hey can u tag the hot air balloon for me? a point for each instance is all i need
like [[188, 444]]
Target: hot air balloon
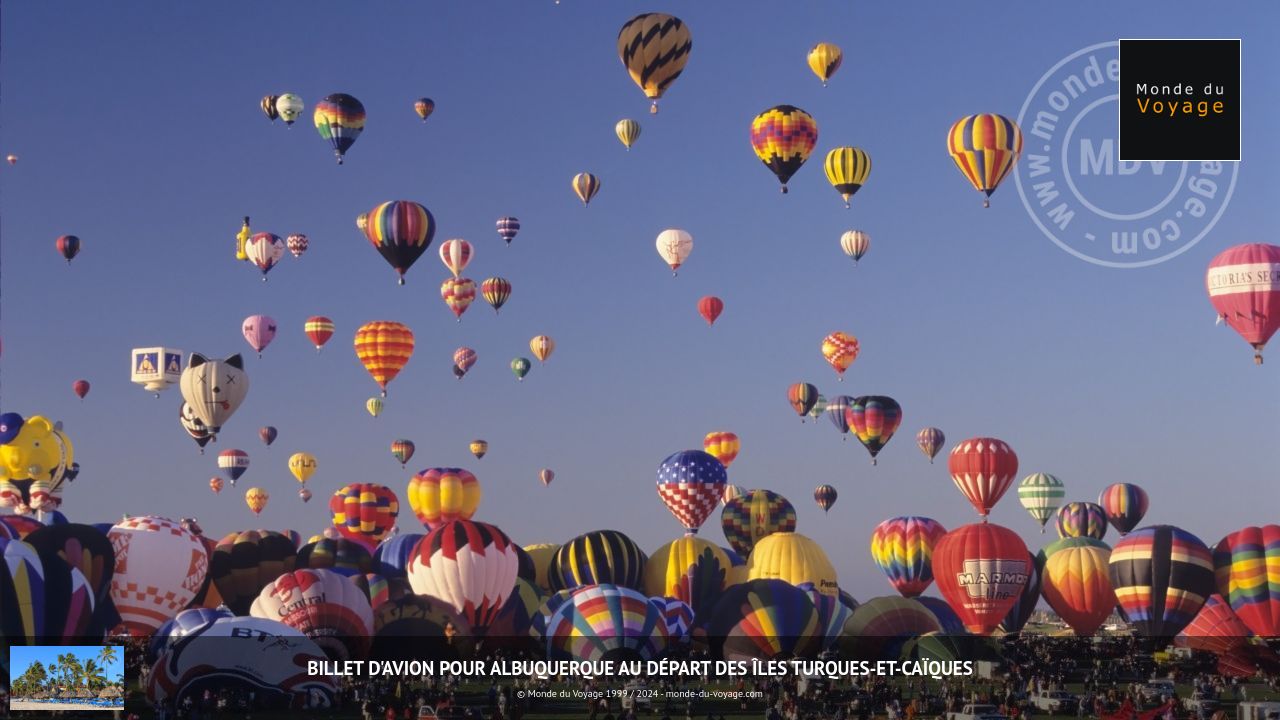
[[985, 148], [440, 495], [233, 464], [1247, 569], [903, 547], [374, 406], [628, 131], [214, 389], [339, 119], [268, 106], [597, 557], [215, 484], [1082, 519], [391, 557], [847, 170], [68, 247], [333, 552], [930, 440], [402, 450], [1244, 286], [542, 346], [824, 60], [1041, 494], [267, 434], [1125, 505], [302, 466], [722, 445], [981, 570], [424, 107], [585, 185], [855, 244], [159, 566], [674, 246], [874, 418], [507, 228], [1076, 582], [80, 388], [319, 329], [690, 483], [1216, 629], [400, 230], [194, 427], [289, 106], [258, 331], [710, 307], [458, 294], [472, 566], [256, 499], [362, 221], [1025, 605], [495, 291], [325, 606], [783, 138], [463, 359], [243, 563], [82, 548], [837, 412], [840, 350], [690, 569], [754, 515], [297, 244], [654, 48], [1162, 575], [825, 496], [364, 513], [802, 397], [456, 255], [478, 448], [181, 625], [46, 598], [545, 476], [264, 250], [879, 628], [304, 494], [521, 366], [762, 620], [607, 622], [819, 407], [983, 469], [384, 348], [12, 159]]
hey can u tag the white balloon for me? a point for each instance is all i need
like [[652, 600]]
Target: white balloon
[[214, 389], [674, 246]]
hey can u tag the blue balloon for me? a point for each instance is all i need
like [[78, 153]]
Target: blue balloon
[[10, 424], [692, 467], [391, 557], [180, 625], [53, 517]]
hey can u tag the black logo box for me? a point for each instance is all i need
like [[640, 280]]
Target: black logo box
[[1185, 69]]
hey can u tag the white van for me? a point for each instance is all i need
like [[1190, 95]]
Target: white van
[[1258, 711]]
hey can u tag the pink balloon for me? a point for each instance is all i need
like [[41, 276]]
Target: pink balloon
[[259, 331]]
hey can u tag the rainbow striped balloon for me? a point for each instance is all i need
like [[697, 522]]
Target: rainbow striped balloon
[[1125, 505], [1247, 566], [1162, 576], [903, 548]]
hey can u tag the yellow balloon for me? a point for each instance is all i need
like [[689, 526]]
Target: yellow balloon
[[302, 465], [654, 47], [793, 558], [374, 406], [824, 60], [479, 448], [542, 554], [440, 495], [256, 499], [628, 131], [241, 238], [668, 570]]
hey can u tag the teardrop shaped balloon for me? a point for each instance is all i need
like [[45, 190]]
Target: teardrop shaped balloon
[[456, 254], [463, 359], [268, 106], [233, 463], [302, 465], [985, 148], [402, 450], [840, 350], [545, 476], [458, 293], [902, 547], [374, 406], [215, 484], [847, 169], [424, 107], [855, 244], [1041, 495], [318, 329], [690, 483], [825, 496], [585, 185], [930, 440], [339, 118], [1076, 582], [297, 244], [384, 348], [674, 246], [1125, 505], [628, 131], [267, 434], [520, 367], [983, 469], [495, 291], [401, 231], [875, 418], [542, 346], [256, 499], [258, 331], [783, 138], [710, 307], [264, 250], [68, 247], [654, 47], [80, 388], [508, 227], [824, 59], [1244, 287], [304, 494], [802, 396], [1082, 519], [478, 448]]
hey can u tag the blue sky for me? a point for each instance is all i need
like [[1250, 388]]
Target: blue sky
[[138, 129], [22, 656]]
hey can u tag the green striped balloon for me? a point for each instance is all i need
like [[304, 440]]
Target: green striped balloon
[[1041, 494]]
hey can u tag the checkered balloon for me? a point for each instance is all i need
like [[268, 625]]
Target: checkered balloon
[[690, 483]]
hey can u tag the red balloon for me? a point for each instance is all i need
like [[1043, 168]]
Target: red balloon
[[983, 468], [80, 388], [1244, 287], [710, 308], [981, 570]]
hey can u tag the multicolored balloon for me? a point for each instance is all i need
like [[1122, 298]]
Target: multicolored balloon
[[840, 350], [762, 620], [1247, 569], [981, 570], [1076, 582], [264, 250], [215, 484], [364, 513], [874, 418], [339, 118], [585, 185], [456, 254], [233, 463], [268, 105], [401, 231], [463, 359], [690, 569], [930, 440], [1162, 576], [722, 445], [825, 496], [824, 59], [458, 293], [654, 47], [755, 515], [542, 346], [983, 469], [783, 138], [424, 107], [478, 448], [441, 495], [1041, 494], [325, 606], [690, 483], [68, 247], [1125, 505], [495, 291], [902, 547], [595, 558], [847, 170], [802, 396], [384, 348], [267, 434], [985, 148], [402, 450], [507, 228], [1244, 286], [318, 329], [607, 621], [1082, 519]]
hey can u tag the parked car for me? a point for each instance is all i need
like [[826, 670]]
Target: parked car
[[1054, 702]]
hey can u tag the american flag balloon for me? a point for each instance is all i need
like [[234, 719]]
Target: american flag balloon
[[690, 483]]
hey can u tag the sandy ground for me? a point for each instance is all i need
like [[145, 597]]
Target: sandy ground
[[38, 705]]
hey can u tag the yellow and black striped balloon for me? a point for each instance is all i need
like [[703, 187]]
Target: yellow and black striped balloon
[[654, 47], [602, 556], [847, 169], [824, 60]]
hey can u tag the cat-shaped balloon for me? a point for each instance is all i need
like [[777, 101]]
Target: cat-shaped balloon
[[214, 389]]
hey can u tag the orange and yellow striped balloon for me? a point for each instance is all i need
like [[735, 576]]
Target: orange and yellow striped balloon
[[384, 348], [722, 445], [542, 346], [985, 147], [440, 495]]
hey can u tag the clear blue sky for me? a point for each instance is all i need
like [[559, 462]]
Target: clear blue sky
[[138, 129], [22, 656]]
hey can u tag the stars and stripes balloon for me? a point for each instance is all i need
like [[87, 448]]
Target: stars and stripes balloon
[[384, 348], [401, 231], [1125, 505], [690, 483], [983, 468], [874, 418], [1041, 495], [783, 138], [985, 148]]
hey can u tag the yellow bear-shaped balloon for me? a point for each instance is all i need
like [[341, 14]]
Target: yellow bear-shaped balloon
[[40, 451]]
